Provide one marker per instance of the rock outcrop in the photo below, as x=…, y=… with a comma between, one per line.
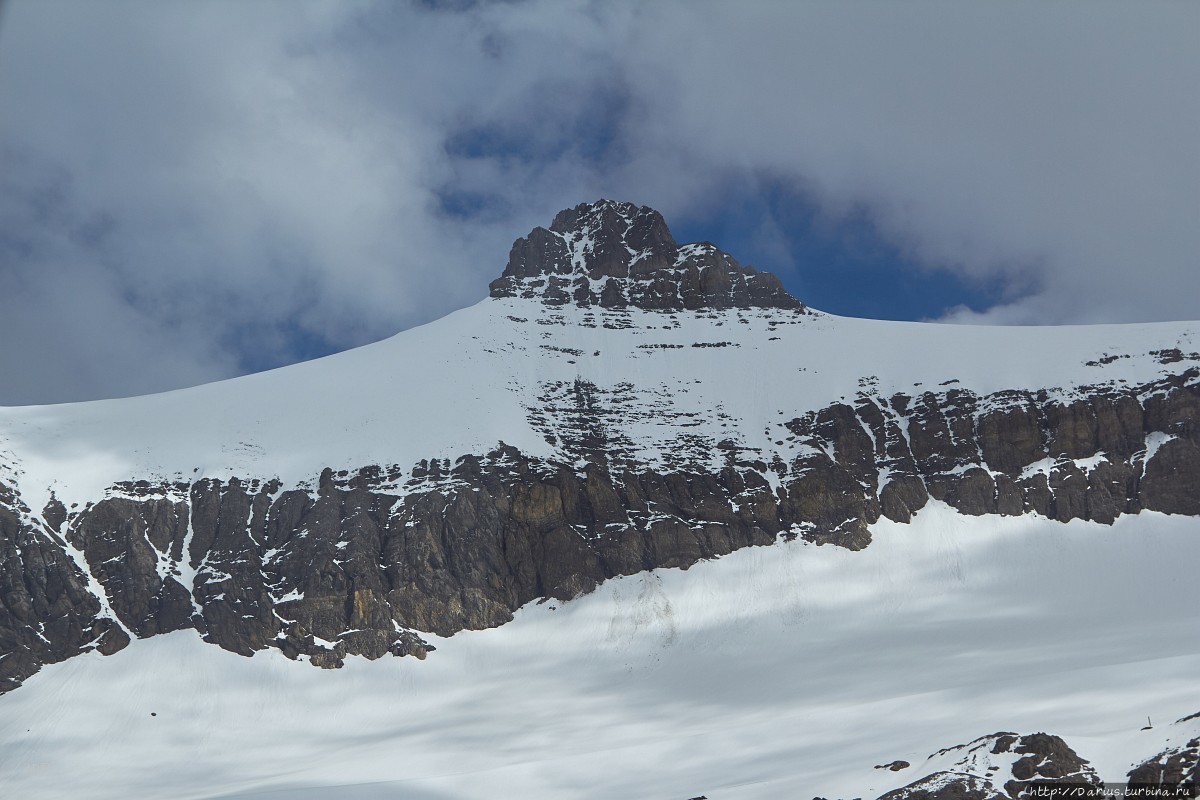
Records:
x=617, y=255
x=1176, y=767
x=48, y=612
x=1108, y=451
x=1003, y=766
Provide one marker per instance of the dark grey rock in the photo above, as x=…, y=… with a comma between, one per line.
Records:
x=47, y=612
x=615, y=255
x=1044, y=760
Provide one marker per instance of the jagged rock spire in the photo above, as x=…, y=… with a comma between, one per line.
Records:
x=615, y=255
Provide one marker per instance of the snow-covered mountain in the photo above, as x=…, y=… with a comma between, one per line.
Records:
x=1001, y=521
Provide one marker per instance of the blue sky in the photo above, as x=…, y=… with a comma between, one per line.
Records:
x=190, y=192
x=844, y=266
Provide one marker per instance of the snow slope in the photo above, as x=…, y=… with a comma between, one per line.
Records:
x=782, y=671
x=461, y=384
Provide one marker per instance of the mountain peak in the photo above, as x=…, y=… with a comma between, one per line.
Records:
x=615, y=255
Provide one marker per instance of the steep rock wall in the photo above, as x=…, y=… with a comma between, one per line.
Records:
x=364, y=563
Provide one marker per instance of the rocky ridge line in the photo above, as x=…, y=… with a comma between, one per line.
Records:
x=1004, y=766
x=1009, y=766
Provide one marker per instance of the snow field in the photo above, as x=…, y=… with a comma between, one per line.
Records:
x=782, y=671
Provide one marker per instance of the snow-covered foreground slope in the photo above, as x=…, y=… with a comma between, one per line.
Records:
x=782, y=671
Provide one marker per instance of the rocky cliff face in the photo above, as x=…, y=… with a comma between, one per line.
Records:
x=48, y=610
x=1112, y=451
x=365, y=561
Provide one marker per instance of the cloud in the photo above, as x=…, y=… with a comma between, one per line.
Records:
x=190, y=191
x=1047, y=143
x=242, y=190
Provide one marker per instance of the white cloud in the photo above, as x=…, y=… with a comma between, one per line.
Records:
x=223, y=178
x=986, y=138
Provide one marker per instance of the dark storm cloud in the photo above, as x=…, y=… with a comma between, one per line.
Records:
x=189, y=191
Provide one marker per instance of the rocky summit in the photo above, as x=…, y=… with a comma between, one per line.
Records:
x=619, y=404
x=618, y=255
